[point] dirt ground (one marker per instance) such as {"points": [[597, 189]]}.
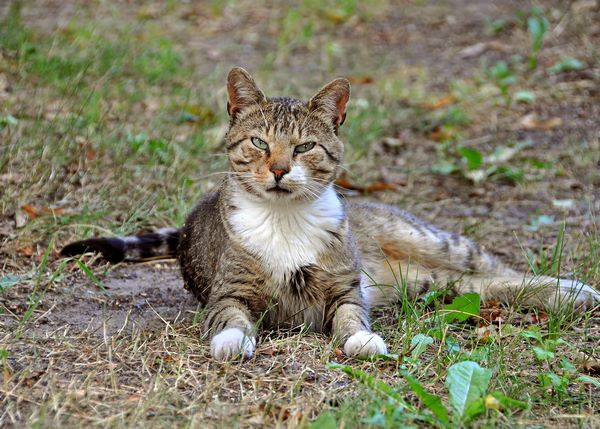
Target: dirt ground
{"points": [[122, 345]]}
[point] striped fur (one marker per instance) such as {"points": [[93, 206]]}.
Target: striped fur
{"points": [[162, 243], [275, 247]]}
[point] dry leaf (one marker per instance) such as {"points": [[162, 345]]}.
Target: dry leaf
{"points": [[441, 134], [33, 212], [494, 45], [25, 250], [484, 334], [91, 154], [540, 317], [377, 186], [361, 79], [532, 122], [439, 103], [588, 363], [473, 50]]}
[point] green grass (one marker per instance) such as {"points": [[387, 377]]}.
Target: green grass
{"points": [[115, 121]]}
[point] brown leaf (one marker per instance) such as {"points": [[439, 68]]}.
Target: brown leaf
{"points": [[442, 134], [439, 103], [473, 50], [540, 317], [492, 315], [532, 122], [484, 334], [91, 154], [33, 212], [376, 186], [25, 250], [364, 79], [588, 363]]}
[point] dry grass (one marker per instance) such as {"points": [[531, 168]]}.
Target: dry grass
{"points": [[111, 122]]}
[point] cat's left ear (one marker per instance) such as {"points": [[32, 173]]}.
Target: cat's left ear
{"points": [[242, 91], [331, 101]]}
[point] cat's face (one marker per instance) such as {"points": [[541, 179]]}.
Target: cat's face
{"points": [[282, 149]]}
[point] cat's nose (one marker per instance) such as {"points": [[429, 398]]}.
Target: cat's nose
{"points": [[279, 173]]}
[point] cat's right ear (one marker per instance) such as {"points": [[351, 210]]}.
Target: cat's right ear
{"points": [[242, 91], [331, 101]]}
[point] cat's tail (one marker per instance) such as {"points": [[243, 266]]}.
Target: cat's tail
{"points": [[162, 243]]}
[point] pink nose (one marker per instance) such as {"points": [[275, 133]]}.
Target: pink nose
{"points": [[278, 173]]}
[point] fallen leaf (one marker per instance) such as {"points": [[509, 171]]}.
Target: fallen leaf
{"points": [[532, 122], [495, 45], [492, 315], [33, 212], [91, 154], [484, 334], [540, 317], [473, 50], [588, 363], [439, 103], [442, 134], [25, 250], [377, 186], [364, 79]]}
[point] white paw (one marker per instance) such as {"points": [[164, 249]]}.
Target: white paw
{"points": [[231, 343], [364, 343], [576, 294]]}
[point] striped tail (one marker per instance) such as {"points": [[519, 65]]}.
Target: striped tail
{"points": [[162, 243]]}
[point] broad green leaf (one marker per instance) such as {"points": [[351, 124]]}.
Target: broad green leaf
{"points": [[524, 96], [467, 383], [419, 344], [506, 402], [10, 280], [542, 354], [567, 366], [462, 307], [567, 64], [325, 421], [533, 333], [444, 167], [473, 157], [473, 410], [433, 402], [550, 379], [453, 345], [589, 380]]}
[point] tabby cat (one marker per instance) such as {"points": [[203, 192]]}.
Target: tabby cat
{"points": [[276, 247]]}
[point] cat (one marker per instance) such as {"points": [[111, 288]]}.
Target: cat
{"points": [[276, 247]]}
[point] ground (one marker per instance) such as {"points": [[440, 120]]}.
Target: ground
{"points": [[112, 116]]}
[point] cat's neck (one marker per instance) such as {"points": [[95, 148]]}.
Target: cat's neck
{"points": [[285, 235]]}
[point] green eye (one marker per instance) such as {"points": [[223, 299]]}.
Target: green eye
{"points": [[261, 144], [304, 147]]}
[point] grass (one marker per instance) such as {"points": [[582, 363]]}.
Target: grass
{"points": [[111, 122]]}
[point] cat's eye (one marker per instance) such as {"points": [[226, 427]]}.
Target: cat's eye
{"points": [[304, 147], [261, 144]]}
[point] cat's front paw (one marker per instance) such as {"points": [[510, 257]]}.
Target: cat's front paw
{"points": [[364, 343], [576, 294], [232, 343]]}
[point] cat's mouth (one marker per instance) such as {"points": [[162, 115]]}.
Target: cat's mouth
{"points": [[279, 190]]}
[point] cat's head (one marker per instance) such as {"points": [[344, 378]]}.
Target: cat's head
{"points": [[280, 148]]}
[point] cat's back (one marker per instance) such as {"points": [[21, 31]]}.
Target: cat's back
{"points": [[202, 241]]}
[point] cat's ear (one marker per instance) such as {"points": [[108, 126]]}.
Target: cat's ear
{"points": [[242, 91], [331, 101]]}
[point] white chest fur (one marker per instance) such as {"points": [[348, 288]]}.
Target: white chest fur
{"points": [[286, 236]]}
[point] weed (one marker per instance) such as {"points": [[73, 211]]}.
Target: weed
{"points": [[537, 26], [502, 75]]}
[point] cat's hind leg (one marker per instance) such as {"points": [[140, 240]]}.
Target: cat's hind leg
{"points": [[391, 279]]}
